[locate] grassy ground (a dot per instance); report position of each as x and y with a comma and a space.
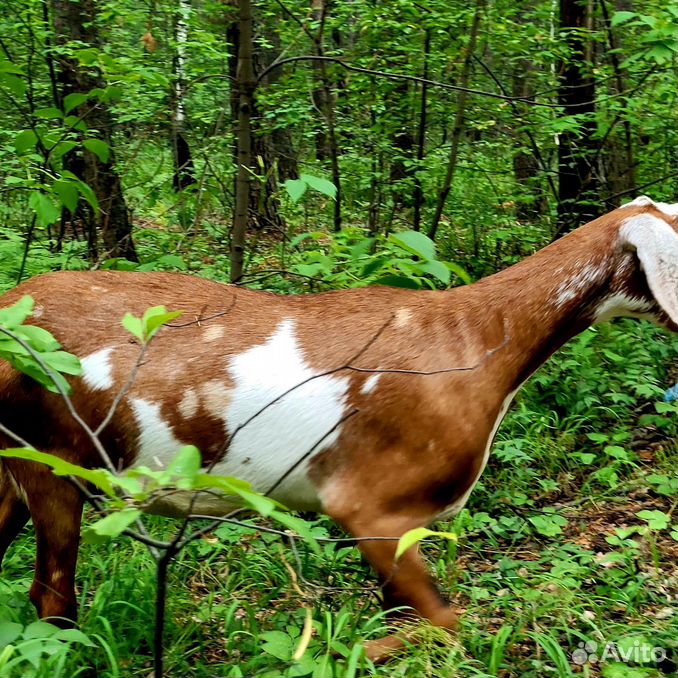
571, 538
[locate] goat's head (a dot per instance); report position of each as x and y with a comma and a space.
644, 282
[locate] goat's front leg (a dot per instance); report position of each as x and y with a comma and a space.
406, 582
55, 506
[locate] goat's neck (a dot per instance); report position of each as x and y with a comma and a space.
535, 307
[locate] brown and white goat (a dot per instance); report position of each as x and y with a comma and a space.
427, 376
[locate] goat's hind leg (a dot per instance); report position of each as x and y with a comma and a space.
14, 513
406, 582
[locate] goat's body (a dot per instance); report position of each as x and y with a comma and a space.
377, 406
223, 370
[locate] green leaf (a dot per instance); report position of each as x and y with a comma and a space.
278, 645
459, 271
185, 466
44, 207
412, 537
50, 113
319, 184
133, 325
60, 467
110, 526
38, 338
25, 141
302, 527
100, 148
9, 632
73, 636
438, 270
397, 281
656, 520
68, 194
154, 318
622, 17
295, 189
74, 100
61, 361
7, 66
16, 314
39, 629
548, 525
61, 148
416, 243
13, 83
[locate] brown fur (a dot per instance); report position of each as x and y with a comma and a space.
415, 446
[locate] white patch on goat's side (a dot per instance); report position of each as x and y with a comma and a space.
157, 444
622, 305
216, 398
280, 439
402, 318
213, 333
370, 384
459, 504
97, 371
188, 406
577, 283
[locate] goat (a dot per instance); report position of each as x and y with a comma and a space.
429, 374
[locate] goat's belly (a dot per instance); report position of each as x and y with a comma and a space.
273, 413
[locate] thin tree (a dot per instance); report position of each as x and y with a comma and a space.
458, 127
76, 23
245, 84
578, 189
184, 174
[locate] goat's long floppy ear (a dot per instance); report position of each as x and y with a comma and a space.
656, 245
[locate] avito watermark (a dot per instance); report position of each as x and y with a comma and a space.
636, 652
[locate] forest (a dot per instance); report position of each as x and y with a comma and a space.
306, 147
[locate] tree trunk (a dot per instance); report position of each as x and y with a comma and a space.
418, 197
184, 173
621, 171
578, 189
526, 165
245, 84
319, 10
458, 121
76, 22
262, 210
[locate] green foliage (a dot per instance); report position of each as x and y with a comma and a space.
38, 650
145, 328
33, 350
296, 188
351, 259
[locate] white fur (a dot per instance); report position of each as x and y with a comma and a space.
215, 397
642, 201
622, 305
370, 384
281, 437
157, 445
459, 504
188, 407
97, 371
579, 281
213, 333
